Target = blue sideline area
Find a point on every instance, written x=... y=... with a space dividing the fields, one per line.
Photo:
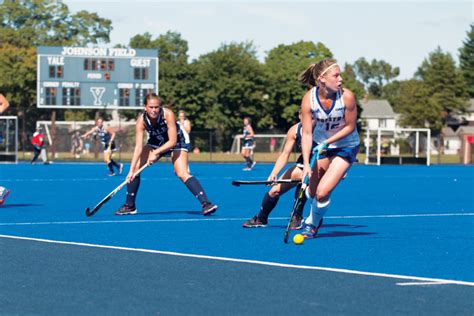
x=397 y=240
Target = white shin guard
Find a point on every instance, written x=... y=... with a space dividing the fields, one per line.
x=318 y=209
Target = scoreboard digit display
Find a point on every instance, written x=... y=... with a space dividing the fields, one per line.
x=95 y=78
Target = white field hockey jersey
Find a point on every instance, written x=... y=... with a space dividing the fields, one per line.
x=329 y=122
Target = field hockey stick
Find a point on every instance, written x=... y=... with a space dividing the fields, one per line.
x=96 y=208
x=242 y=182
x=299 y=198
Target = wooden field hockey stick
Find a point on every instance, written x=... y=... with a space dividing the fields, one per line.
x=299 y=198
x=266 y=182
x=96 y=208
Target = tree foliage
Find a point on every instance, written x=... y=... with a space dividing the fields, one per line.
x=283 y=65
x=445 y=82
x=466 y=59
x=375 y=74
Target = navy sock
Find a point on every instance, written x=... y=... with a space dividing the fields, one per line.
x=111 y=167
x=132 y=190
x=268 y=204
x=116 y=165
x=196 y=189
x=299 y=210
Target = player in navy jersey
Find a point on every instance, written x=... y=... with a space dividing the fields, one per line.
x=247 y=148
x=165 y=138
x=107 y=137
x=335 y=134
x=4 y=104
x=270 y=200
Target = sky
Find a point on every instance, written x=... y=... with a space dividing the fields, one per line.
x=402 y=33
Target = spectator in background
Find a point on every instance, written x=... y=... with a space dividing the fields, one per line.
x=4 y=104
x=39 y=148
x=76 y=144
x=272 y=144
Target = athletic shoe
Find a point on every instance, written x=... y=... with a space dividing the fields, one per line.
x=311 y=231
x=296 y=222
x=253 y=164
x=4 y=196
x=254 y=222
x=120 y=168
x=126 y=210
x=208 y=209
x=111 y=174
x=247 y=169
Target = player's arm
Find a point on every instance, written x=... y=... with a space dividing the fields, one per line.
x=172 y=136
x=187 y=126
x=350 y=114
x=250 y=130
x=4 y=104
x=307 y=132
x=88 y=132
x=139 y=132
x=285 y=154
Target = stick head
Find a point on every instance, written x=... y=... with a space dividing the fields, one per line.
x=236 y=183
x=88 y=212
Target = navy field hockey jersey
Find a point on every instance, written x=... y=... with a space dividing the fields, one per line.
x=103 y=135
x=331 y=121
x=158 y=134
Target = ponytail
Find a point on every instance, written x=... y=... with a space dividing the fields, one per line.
x=310 y=77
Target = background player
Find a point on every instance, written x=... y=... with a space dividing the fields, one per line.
x=249 y=144
x=270 y=200
x=4 y=104
x=165 y=139
x=107 y=137
x=39 y=147
x=335 y=133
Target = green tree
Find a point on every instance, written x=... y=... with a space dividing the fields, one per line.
x=412 y=100
x=224 y=86
x=375 y=74
x=466 y=58
x=283 y=65
x=44 y=22
x=173 y=66
x=446 y=85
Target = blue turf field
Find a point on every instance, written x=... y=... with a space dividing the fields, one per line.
x=397 y=239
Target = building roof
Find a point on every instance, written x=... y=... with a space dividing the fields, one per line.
x=470 y=108
x=448 y=132
x=376 y=109
x=465 y=130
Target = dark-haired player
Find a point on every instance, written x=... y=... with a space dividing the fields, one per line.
x=165 y=138
x=270 y=200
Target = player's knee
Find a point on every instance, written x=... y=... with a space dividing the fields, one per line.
x=274 y=192
x=182 y=175
x=322 y=194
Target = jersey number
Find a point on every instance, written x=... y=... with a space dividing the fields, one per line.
x=331 y=126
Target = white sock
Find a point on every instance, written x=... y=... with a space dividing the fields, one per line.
x=317 y=211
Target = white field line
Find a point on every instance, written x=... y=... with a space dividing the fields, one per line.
x=223 y=219
x=421 y=283
x=257 y=262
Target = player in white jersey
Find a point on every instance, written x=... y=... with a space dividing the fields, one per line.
x=335 y=112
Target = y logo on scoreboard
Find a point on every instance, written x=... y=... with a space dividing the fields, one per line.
x=97 y=93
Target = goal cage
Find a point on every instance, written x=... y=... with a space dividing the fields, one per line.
x=263 y=143
x=8 y=139
x=398 y=146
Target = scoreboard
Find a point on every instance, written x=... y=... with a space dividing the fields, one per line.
x=95 y=78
